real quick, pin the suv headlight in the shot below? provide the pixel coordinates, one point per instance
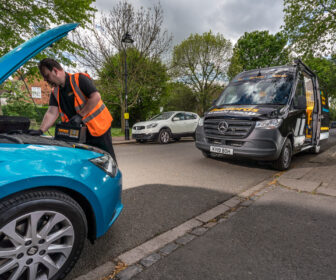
(151, 125)
(201, 121)
(269, 124)
(107, 163)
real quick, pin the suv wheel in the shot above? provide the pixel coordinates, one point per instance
(42, 234)
(164, 136)
(285, 158)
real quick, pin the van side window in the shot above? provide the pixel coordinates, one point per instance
(299, 90)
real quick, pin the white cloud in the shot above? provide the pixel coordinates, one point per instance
(229, 17)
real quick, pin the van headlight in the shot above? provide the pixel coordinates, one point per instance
(201, 121)
(269, 124)
(107, 163)
(151, 125)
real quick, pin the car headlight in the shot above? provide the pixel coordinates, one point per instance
(151, 125)
(269, 124)
(201, 121)
(107, 163)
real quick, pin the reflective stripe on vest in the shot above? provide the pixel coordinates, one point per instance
(95, 114)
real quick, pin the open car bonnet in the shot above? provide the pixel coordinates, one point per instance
(13, 60)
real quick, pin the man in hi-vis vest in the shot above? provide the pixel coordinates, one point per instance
(77, 100)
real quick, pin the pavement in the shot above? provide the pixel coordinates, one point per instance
(282, 228)
(117, 140)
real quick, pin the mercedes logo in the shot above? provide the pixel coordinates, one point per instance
(223, 127)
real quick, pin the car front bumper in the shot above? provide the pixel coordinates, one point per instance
(260, 144)
(145, 136)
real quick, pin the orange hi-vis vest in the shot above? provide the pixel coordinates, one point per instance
(98, 120)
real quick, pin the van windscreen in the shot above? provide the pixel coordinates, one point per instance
(273, 89)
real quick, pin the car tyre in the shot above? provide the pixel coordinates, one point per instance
(285, 158)
(42, 234)
(164, 136)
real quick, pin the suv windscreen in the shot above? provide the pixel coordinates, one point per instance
(271, 89)
(163, 116)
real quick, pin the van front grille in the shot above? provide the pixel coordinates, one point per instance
(217, 129)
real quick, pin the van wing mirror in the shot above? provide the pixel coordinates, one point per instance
(176, 119)
(214, 102)
(301, 103)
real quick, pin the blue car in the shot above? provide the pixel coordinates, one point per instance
(53, 194)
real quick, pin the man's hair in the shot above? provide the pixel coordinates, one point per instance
(49, 63)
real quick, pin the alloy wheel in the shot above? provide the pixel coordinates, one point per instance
(35, 245)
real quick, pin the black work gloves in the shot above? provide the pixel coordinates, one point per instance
(76, 120)
(35, 132)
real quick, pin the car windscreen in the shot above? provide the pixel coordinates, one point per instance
(163, 116)
(258, 90)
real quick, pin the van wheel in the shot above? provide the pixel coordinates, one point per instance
(164, 136)
(285, 158)
(42, 234)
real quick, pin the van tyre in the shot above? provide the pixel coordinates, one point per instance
(285, 158)
(42, 234)
(164, 136)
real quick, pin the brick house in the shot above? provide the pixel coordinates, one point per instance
(40, 91)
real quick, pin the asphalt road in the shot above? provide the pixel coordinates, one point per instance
(165, 185)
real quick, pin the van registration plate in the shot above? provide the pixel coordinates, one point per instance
(221, 150)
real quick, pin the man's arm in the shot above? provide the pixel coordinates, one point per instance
(90, 104)
(49, 118)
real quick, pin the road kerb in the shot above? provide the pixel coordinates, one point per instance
(133, 257)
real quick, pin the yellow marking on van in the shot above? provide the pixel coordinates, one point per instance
(279, 76)
(324, 128)
(236, 109)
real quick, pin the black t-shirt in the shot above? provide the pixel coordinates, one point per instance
(67, 97)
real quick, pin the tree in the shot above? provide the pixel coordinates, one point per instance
(325, 69)
(179, 97)
(311, 25)
(102, 48)
(146, 84)
(105, 36)
(201, 62)
(258, 49)
(23, 19)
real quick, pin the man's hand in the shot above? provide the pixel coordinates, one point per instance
(76, 120)
(34, 132)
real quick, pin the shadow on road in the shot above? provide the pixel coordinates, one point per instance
(148, 211)
(284, 235)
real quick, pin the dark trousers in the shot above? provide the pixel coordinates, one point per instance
(103, 142)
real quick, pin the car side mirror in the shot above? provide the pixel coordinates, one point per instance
(301, 103)
(214, 102)
(175, 119)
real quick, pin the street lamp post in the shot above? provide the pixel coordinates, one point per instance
(127, 39)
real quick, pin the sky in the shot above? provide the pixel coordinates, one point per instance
(231, 18)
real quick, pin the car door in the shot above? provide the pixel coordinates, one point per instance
(178, 123)
(191, 122)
